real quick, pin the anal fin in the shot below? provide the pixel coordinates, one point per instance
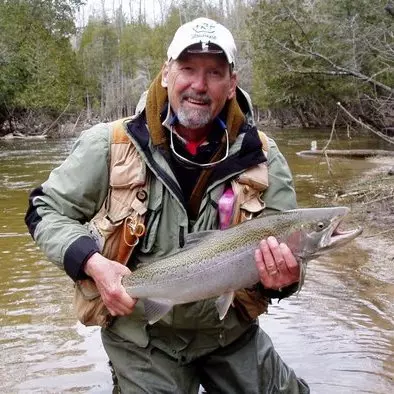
(223, 303)
(155, 309)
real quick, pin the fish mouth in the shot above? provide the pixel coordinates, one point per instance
(336, 237)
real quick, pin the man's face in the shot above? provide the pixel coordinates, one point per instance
(198, 87)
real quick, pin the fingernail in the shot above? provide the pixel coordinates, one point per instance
(272, 241)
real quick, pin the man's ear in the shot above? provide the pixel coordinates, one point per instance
(164, 75)
(233, 86)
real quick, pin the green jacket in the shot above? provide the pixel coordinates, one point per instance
(61, 208)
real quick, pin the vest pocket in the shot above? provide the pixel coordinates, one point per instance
(248, 202)
(126, 179)
(117, 209)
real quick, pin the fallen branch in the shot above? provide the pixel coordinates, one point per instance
(380, 233)
(378, 199)
(350, 194)
(354, 73)
(336, 67)
(76, 122)
(362, 124)
(56, 120)
(355, 153)
(329, 142)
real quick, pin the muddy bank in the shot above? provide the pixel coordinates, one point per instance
(371, 198)
(41, 125)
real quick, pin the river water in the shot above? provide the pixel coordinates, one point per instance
(338, 333)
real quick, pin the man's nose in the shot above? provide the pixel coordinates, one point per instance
(200, 82)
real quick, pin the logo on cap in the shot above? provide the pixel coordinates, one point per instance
(204, 28)
(204, 32)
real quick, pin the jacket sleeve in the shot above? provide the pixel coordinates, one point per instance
(280, 195)
(61, 207)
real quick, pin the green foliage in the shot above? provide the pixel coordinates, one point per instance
(97, 52)
(319, 52)
(302, 54)
(38, 67)
(142, 48)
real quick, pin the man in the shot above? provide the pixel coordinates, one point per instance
(195, 134)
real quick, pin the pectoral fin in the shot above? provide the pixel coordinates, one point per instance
(155, 309)
(223, 303)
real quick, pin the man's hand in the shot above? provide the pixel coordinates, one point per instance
(276, 264)
(107, 276)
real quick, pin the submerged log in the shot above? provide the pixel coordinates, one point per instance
(353, 153)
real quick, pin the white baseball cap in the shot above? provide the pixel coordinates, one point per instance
(212, 36)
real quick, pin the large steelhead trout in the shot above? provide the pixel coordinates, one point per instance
(217, 263)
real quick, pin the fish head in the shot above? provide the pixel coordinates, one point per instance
(317, 230)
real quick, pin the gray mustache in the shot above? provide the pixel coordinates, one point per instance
(203, 98)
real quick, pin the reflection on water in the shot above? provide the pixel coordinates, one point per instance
(337, 333)
(43, 348)
(341, 326)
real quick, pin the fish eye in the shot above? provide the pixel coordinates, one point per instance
(320, 226)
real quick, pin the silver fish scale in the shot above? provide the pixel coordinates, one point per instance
(205, 279)
(221, 262)
(204, 259)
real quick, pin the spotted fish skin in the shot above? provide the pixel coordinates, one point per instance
(219, 262)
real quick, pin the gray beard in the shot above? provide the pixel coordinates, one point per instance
(194, 119)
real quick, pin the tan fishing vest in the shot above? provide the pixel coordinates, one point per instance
(119, 223)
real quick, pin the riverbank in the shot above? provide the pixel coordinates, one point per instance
(372, 199)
